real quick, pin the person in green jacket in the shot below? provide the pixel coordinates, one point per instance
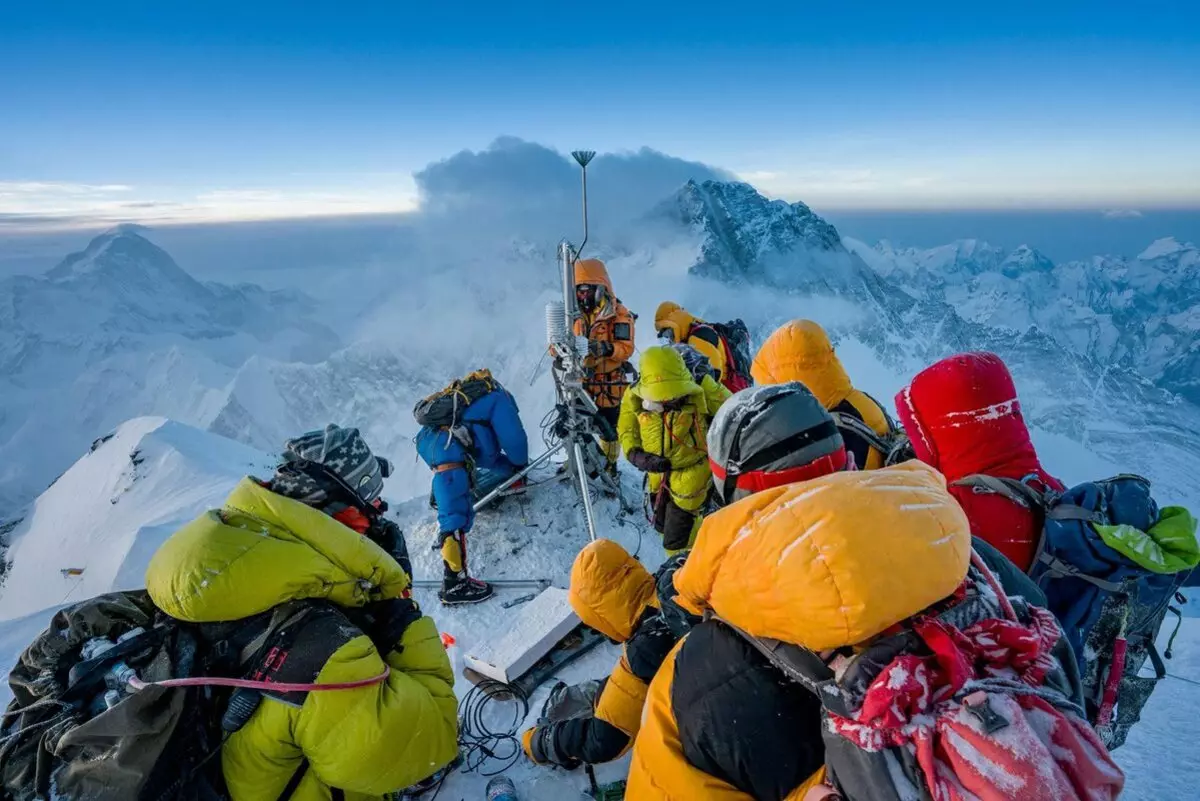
(296, 542)
(663, 429)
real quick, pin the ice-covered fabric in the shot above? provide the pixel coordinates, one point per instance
(963, 417)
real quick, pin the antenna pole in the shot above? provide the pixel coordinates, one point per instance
(583, 158)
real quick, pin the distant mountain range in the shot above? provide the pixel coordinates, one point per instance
(1105, 351)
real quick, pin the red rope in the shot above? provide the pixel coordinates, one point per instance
(1001, 595)
(251, 684)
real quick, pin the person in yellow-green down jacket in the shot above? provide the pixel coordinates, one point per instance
(662, 428)
(310, 542)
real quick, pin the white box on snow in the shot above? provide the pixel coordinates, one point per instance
(535, 630)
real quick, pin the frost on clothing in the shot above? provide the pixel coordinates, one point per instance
(491, 438)
(963, 417)
(803, 564)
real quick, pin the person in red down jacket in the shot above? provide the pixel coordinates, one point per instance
(963, 418)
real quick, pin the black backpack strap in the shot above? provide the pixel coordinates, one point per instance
(798, 664)
(1016, 491)
(293, 784)
(1069, 511)
(892, 426)
(1057, 568)
(856, 425)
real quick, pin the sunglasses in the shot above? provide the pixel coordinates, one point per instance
(667, 334)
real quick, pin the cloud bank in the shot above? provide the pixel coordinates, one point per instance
(514, 179)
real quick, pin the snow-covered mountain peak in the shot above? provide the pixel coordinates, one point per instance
(119, 329)
(745, 237)
(1025, 260)
(1167, 246)
(1172, 256)
(122, 256)
(763, 225)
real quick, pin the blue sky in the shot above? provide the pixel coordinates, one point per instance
(176, 111)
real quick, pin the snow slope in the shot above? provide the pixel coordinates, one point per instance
(114, 507)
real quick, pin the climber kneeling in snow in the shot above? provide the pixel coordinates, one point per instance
(846, 641)
(663, 425)
(596, 721)
(291, 550)
(471, 434)
(801, 351)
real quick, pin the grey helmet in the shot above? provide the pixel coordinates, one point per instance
(771, 435)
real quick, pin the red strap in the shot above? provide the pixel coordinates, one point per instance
(270, 686)
(1116, 671)
(759, 480)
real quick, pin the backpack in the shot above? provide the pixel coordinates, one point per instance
(445, 408)
(116, 701)
(894, 445)
(1109, 582)
(735, 341)
(964, 700)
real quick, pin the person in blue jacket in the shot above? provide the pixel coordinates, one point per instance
(486, 447)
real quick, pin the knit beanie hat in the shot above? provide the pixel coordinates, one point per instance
(340, 451)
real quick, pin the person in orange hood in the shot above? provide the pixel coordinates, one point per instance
(596, 721)
(609, 328)
(801, 351)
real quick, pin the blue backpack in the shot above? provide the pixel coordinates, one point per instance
(1110, 562)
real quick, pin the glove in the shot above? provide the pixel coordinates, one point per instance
(648, 462)
(538, 745)
(598, 347)
(387, 535)
(386, 621)
(677, 619)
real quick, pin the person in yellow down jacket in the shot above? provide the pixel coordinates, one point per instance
(801, 351)
(663, 425)
(292, 550)
(802, 564)
(676, 324)
(596, 721)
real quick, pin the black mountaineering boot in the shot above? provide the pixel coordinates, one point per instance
(459, 588)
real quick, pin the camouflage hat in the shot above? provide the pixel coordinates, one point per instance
(341, 451)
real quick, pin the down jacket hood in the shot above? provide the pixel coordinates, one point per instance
(963, 417)
(610, 589)
(833, 561)
(801, 351)
(664, 376)
(260, 550)
(594, 273)
(678, 319)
